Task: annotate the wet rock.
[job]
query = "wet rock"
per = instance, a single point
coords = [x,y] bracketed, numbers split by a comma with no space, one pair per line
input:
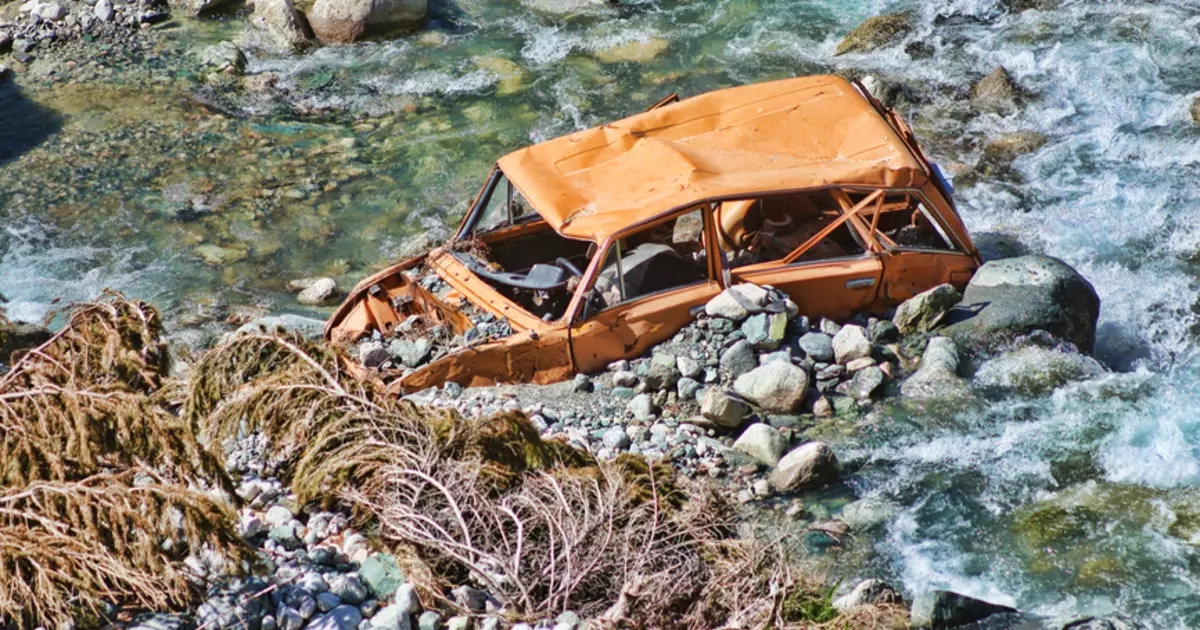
[223,57]
[340,618]
[812,464]
[512,76]
[922,312]
[738,307]
[851,343]
[18,336]
[104,10]
[761,442]
[874,33]
[1033,370]
[1027,5]
[997,92]
[1005,148]
[765,331]
[868,593]
[1112,622]
[946,609]
[634,52]
[320,291]
[774,387]
[817,346]
[341,21]
[738,359]
[937,376]
[1016,296]
[1195,109]
[723,409]
[866,383]
[285,24]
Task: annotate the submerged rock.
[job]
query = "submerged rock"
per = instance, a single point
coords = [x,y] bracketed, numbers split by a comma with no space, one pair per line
[923,312]
[875,32]
[343,21]
[809,465]
[1112,622]
[1034,370]
[1196,110]
[1016,296]
[946,609]
[635,52]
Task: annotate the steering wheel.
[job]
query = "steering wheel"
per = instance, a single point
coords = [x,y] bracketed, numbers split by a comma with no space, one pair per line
[568,267]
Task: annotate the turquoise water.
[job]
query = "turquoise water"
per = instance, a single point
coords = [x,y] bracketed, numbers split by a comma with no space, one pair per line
[1075,501]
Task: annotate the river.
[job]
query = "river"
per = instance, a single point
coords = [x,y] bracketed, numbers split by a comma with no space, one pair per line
[1063,500]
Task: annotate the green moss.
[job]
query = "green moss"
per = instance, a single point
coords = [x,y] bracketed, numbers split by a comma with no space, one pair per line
[806,606]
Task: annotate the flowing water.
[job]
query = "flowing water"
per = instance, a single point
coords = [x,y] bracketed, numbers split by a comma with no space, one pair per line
[1078,496]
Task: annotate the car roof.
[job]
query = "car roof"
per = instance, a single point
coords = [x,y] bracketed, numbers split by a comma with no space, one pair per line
[792,134]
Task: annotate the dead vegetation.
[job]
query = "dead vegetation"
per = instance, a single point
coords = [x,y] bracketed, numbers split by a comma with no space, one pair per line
[101,489]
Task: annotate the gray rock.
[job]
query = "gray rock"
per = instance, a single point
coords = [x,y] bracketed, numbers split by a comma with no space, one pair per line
[289,618]
[393,617]
[642,407]
[568,620]
[351,20]
[350,588]
[738,359]
[459,622]
[313,582]
[50,11]
[851,343]
[662,374]
[866,383]
[490,623]
[868,593]
[381,574]
[688,367]
[306,327]
[809,465]
[429,620]
[997,92]
[1016,296]
[722,409]
[625,378]
[765,331]
[761,442]
[286,535]
[340,618]
[883,331]
[727,306]
[937,376]
[288,28]
[321,291]
[104,10]
[372,354]
[224,57]
[1033,370]
[687,389]
[268,623]
[158,621]
[279,515]
[616,438]
[829,327]
[582,383]
[817,346]
[946,609]
[328,601]
[410,353]
[472,599]
[407,599]
[860,364]
[924,311]
[774,387]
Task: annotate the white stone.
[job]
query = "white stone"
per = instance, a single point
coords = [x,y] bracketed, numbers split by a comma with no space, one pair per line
[761,442]
[775,387]
[322,291]
[851,343]
[279,515]
[725,305]
[723,409]
[811,464]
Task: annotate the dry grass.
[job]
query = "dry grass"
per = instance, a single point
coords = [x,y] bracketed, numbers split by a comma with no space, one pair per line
[101,488]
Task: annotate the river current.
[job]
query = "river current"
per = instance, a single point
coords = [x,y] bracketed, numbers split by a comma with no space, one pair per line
[1082,496]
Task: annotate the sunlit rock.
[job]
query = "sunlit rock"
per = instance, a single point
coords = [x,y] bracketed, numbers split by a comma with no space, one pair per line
[997,92]
[639,51]
[512,76]
[341,21]
[1034,370]
[924,311]
[285,24]
[875,32]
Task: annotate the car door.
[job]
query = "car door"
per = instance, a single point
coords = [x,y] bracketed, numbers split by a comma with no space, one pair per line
[631,326]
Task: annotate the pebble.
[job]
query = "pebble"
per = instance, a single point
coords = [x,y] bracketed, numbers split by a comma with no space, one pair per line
[429,620]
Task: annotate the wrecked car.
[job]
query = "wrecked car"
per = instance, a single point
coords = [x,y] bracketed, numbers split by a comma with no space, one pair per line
[595,246]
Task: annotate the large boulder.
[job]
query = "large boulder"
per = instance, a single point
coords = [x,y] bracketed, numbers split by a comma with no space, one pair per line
[946,609]
[809,465]
[341,21]
[722,409]
[1015,296]
[924,311]
[762,442]
[775,387]
[289,28]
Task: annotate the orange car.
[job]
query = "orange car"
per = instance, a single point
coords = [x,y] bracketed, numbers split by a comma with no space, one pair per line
[596,246]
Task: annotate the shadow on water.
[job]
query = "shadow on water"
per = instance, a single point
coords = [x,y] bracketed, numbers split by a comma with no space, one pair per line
[23,123]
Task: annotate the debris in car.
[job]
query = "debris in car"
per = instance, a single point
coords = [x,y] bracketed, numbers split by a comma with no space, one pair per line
[596,246]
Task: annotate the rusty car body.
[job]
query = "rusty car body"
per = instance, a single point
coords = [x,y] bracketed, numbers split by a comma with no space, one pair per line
[597,245]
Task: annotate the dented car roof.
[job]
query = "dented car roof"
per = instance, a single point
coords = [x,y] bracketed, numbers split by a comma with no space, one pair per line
[783,135]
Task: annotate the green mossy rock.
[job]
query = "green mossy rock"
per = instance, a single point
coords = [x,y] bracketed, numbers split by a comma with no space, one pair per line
[874,33]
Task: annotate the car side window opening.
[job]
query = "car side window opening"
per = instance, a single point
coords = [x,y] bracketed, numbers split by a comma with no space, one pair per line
[505,206]
[666,256]
[904,222]
[771,228]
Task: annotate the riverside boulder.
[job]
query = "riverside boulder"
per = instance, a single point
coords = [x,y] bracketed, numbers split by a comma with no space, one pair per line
[947,609]
[925,310]
[1015,296]
[290,29]
[344,21]
[775,387]
[938,375]
[808,465]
